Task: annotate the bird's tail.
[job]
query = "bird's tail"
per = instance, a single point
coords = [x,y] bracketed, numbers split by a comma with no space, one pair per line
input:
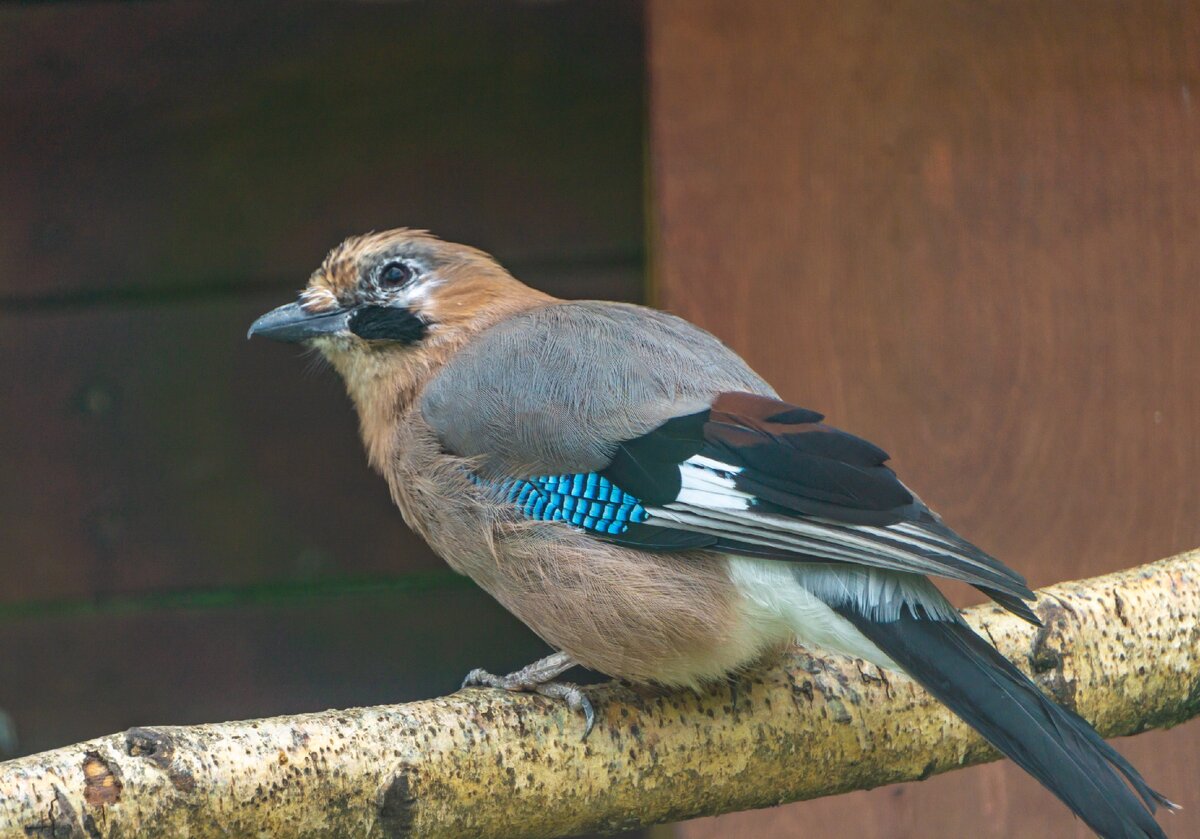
[1051,743]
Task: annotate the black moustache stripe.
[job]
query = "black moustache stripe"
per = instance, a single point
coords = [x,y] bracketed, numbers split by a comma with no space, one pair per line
[388,323]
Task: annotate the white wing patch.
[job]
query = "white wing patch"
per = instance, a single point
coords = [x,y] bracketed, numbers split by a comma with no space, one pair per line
[700,462]
[709,483]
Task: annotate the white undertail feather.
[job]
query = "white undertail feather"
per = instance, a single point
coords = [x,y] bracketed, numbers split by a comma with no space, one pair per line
[777,608]
[875,592]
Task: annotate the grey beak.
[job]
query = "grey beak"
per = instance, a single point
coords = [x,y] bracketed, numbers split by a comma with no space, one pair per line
[292,324]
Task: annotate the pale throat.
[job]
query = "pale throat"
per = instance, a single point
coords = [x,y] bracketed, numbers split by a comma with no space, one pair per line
[382,387]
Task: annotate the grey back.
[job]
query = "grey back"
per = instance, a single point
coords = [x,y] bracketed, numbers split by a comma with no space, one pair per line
[554,389]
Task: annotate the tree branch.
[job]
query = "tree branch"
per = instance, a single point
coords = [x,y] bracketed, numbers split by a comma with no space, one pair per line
[1123,650]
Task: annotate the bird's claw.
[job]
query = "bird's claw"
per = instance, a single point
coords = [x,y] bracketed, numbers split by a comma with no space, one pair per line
[568,692]
[575,698]
[481,678]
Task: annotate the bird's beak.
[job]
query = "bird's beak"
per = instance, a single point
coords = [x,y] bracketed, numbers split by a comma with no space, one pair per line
[292,324]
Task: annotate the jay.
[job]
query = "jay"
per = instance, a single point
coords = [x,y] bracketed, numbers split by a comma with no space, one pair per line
[631,490]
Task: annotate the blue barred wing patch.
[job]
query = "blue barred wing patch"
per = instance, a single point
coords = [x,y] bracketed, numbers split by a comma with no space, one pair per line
[585,500]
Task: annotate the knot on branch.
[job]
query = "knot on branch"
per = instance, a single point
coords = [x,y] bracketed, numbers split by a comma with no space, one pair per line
[397,808]
[1049,652]
[101,785]
[159,748]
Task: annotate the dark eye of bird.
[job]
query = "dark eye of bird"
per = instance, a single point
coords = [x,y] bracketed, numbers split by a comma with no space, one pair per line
[396,274]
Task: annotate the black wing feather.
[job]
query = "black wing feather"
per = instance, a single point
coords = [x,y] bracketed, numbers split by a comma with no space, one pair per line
[648,467]
[797,468]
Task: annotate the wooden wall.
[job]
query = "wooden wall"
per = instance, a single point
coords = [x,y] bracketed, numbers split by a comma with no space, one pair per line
[190,530]
[969,232]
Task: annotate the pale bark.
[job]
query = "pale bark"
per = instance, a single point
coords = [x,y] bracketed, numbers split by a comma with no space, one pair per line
[1123,649]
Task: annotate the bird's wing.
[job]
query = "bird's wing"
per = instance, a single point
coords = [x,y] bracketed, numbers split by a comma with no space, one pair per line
[755,476]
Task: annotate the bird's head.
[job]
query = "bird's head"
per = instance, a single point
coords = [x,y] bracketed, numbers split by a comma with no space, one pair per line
[392,303]
[387,309]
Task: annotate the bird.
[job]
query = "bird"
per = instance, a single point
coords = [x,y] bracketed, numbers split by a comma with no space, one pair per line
[629,488]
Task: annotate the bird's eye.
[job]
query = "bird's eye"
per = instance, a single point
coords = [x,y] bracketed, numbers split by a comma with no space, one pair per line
[396,274]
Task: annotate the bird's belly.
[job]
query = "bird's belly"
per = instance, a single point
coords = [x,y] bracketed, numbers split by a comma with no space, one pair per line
[671,619]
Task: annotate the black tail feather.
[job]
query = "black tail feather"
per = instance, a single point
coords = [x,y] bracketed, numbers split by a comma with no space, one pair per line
[1053,744]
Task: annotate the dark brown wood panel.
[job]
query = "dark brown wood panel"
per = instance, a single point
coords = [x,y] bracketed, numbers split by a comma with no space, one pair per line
[172,146]
[154,447]
[966,231]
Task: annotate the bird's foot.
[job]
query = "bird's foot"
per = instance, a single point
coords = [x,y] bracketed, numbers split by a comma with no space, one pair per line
[538,678]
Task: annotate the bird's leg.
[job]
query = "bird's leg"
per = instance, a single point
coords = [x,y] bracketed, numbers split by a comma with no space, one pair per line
[527,678]
[539,678]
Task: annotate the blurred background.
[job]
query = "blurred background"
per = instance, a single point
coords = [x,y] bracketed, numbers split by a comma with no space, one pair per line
[968,231]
